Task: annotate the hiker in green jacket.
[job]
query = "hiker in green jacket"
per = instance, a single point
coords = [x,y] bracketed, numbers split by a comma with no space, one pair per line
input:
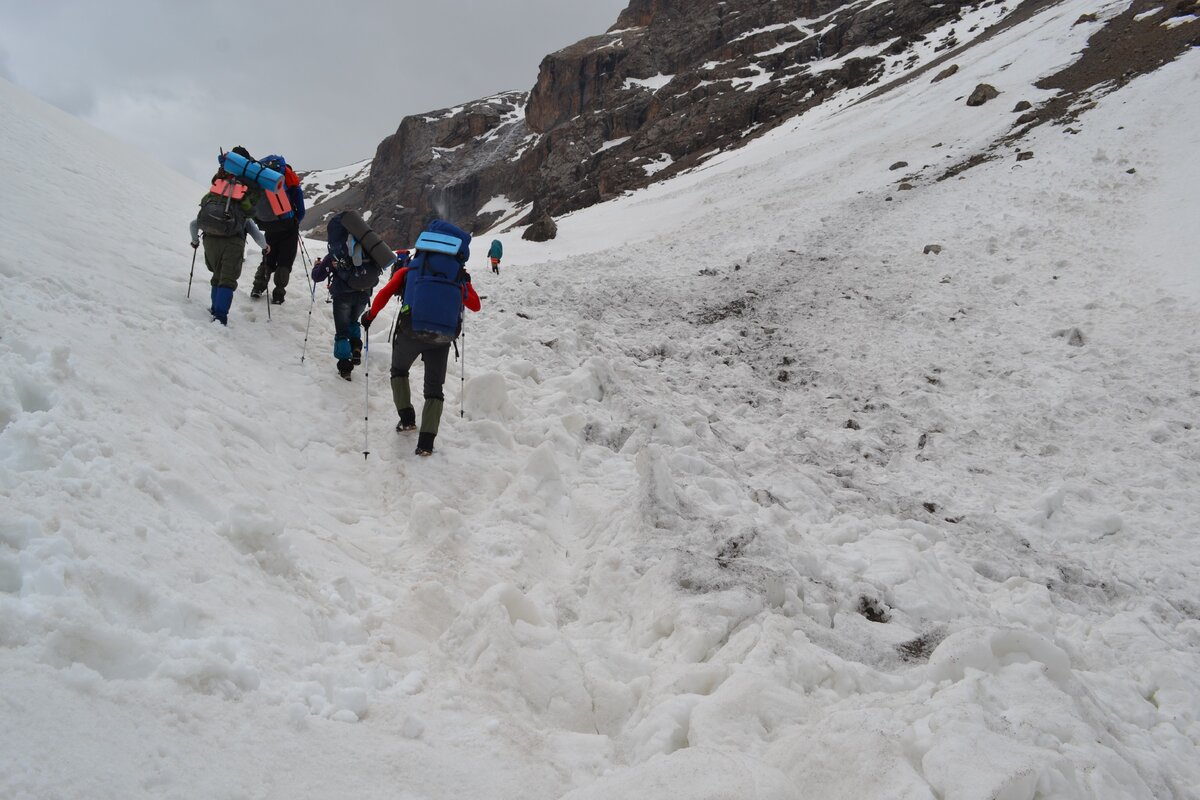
[226,216]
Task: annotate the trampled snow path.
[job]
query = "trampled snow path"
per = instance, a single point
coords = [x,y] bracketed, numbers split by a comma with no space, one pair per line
[644,562]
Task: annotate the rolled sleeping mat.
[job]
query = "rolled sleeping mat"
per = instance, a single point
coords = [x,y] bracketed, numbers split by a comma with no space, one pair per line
[241,167]
[372,244]
[438,243]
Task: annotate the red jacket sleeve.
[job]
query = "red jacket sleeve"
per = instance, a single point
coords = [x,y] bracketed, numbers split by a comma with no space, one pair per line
[388,292]
[470,298]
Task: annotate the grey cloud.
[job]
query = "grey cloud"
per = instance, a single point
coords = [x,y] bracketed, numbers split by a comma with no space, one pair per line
[74,98]
[321,82]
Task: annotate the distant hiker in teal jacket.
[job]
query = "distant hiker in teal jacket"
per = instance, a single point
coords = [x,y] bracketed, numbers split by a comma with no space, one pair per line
[495,253]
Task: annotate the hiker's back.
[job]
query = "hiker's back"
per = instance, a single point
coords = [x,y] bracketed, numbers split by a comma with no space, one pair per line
[226,206]
[433,287]
[352,268]
[280,209]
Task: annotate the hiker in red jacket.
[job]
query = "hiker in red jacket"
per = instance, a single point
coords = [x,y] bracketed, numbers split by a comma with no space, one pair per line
[433,349]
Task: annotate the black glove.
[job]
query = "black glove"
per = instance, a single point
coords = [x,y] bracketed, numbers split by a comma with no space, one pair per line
[467,276]
[195,245]
[366,321]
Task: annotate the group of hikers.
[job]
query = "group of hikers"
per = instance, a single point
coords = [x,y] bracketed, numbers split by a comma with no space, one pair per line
[263,199]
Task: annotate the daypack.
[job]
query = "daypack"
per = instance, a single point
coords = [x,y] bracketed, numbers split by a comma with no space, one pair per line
[403,259]
[275,205]
[355,268]
[433,288]
[223,210]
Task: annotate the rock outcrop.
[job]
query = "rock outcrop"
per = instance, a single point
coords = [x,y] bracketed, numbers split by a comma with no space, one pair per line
[671,84]
[983,92]
[543,229]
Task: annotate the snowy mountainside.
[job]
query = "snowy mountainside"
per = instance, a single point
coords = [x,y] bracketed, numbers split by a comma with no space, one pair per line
[327,191]
[321,184]
[674,84]
[750,497]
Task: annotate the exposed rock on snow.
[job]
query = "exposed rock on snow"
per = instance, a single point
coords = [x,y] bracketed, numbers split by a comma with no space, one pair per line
[1074,336]
[982,93]
[543,229]
[946,73]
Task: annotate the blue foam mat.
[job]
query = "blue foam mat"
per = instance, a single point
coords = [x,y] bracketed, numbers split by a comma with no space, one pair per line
[438,243]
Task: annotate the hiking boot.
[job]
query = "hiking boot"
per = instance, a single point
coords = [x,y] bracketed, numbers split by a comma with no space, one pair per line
[425,444]
[408,420]
[356,350]
[345,367]
[277,298]
[255,294]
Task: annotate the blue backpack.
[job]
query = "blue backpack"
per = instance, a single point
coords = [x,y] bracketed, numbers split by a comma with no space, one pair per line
[433,287]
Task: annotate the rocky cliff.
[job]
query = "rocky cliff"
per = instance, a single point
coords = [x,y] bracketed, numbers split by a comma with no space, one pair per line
[671,84]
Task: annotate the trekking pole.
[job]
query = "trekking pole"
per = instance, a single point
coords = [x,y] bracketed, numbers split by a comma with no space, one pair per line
[193,272]
[304,256]
[311,303]
[304,350]
[462,380]
[366,389]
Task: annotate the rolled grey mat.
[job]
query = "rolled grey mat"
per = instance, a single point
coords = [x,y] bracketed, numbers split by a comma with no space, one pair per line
[371,242]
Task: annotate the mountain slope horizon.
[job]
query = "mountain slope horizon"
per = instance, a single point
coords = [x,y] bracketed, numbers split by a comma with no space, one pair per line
[673,85]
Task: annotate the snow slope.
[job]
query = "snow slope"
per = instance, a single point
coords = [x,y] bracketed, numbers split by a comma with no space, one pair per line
[751,497]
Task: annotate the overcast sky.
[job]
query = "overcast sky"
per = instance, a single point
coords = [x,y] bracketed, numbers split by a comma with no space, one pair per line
[321,82]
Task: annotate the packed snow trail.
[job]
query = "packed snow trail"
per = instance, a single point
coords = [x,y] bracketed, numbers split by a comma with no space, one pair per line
[654,558]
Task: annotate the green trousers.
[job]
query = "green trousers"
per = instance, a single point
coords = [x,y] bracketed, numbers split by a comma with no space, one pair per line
[223,255]
[431,409]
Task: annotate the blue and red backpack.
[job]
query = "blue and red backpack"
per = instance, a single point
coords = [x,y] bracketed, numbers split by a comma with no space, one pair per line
[287,201]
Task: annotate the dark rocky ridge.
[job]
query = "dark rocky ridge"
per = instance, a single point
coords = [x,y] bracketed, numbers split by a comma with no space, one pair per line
[672,83]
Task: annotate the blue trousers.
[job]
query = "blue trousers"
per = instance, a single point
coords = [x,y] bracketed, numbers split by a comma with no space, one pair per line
[348,307]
